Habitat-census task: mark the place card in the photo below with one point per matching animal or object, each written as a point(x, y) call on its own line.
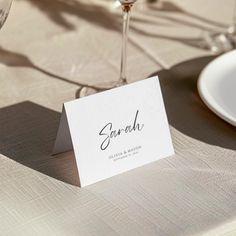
point(116, 130)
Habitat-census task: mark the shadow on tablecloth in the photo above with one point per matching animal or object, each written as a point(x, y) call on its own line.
point(28, 133)
point(186, 111)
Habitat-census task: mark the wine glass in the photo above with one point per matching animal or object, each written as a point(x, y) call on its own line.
point(232, 29)
point(222, 41)
point(126, 6)
point(5, 6)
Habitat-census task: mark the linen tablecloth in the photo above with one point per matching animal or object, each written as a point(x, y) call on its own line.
point(49, 50)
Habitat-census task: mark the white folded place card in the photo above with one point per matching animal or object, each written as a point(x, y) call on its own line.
point(115, 131)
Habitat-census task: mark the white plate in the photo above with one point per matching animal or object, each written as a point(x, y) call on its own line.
point(217, 86)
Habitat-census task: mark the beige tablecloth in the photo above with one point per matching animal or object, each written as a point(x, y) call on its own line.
point(49, 49)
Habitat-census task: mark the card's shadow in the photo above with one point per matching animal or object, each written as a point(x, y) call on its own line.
point(186, 111)
point(28, 133)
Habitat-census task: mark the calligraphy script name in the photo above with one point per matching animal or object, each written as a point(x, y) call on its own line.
point(108, 133)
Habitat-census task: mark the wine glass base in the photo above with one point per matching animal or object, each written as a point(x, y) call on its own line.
point(90, 90)
point(86, 91)
point(218, 43)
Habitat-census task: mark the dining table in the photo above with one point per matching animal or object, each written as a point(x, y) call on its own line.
point(50, 51)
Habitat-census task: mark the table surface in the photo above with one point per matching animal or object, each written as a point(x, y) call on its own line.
point(49, 51)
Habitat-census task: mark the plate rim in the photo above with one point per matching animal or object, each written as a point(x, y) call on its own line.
point(214, 107)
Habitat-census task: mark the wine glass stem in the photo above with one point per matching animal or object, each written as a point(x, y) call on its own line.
point(126, 18)
point(234, 16)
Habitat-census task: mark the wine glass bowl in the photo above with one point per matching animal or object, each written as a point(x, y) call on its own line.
point(127, 2)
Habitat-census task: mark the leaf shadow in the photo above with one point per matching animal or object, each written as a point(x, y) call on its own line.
point(167, 6)
point(14, 59)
